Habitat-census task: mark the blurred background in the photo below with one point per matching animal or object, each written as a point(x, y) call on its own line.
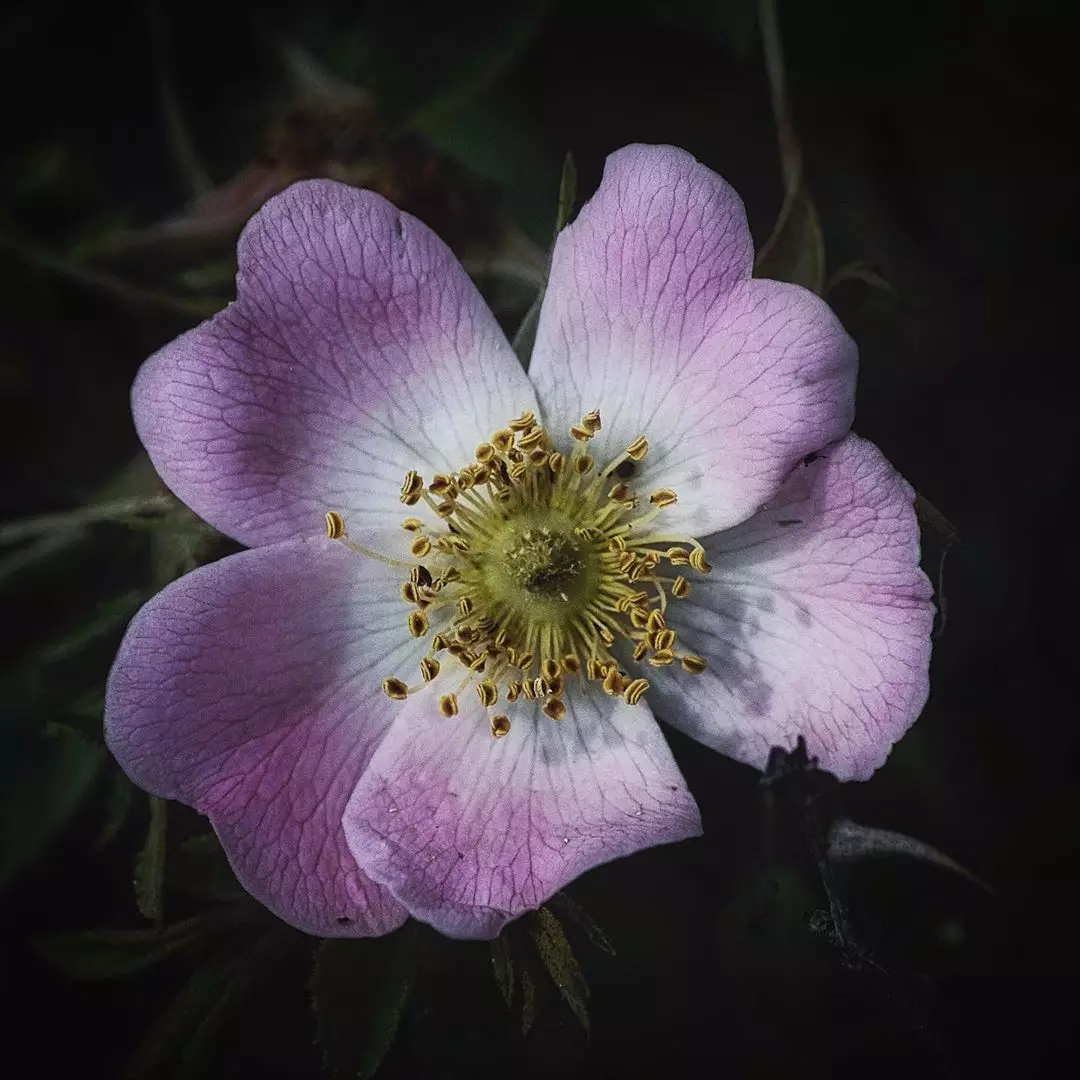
point(915, 170)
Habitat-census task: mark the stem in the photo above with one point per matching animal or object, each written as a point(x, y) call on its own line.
point(16, 532)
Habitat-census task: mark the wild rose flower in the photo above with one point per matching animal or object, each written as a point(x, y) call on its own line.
point(445, 708)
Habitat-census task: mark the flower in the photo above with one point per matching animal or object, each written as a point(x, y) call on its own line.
point(455, 718)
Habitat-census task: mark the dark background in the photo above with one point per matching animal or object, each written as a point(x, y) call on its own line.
point(936, 140)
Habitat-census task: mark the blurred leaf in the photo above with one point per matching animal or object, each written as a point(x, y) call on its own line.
point(796, 250)
point(569, 908)
point(110, 954)
point(199, 868)
point(150, 864)
point(359, 988)
point(525, 338)
point(46, 781)
point(116, 806)
point(557, 956)
point(851, 842)
point(502, 963)
point(860, 271)
point(929, 514)
point(105, 618)
point(730, 24)
point(179, 1042)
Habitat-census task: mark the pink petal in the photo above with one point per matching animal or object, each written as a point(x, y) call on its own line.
point(469, 831)
point(815, 621)
point(250, 690)
point(651, 316)
point(357, 349)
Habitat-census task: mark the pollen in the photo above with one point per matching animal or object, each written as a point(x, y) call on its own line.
point(543, 574)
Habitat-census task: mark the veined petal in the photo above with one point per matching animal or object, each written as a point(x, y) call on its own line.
point(357, 349)
point(815, 621)
point(650, 315)
point(469, 831)
point(250, 690)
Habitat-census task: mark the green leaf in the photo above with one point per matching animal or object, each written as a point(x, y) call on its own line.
point(359, 989)
point(200, 869)
point(525, 337)
point(557, 956)
point(530, 1002)
point(45, 782)
point(110, 954)
point(502, 963)
point(567, 193)
point(566, 906)
point(150, 864)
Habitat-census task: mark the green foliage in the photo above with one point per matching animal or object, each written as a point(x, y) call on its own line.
point(198, 868)
point(557, 956)
point(359, 990)
point(150, 864)
point(502, 964)
point(110, 954)
point(46, 780)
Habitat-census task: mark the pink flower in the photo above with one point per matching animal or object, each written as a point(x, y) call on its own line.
point(454, 719)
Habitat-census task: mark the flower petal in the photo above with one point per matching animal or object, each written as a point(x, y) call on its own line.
point(815, 621)
point(357, 349)
point(250, 690)
point(469, 831)
point(650, 317)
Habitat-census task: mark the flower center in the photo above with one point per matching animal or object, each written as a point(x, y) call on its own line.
point(546, 571)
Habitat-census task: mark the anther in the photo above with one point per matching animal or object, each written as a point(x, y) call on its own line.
point(409, 593)
point(441, 484)
point(665, 640)
point(488, 693)
point(655, 621)
point(580, 433)
point(465, 606)
point(640, 650)
point(484, 453)
point(503, 439)
point(335, 525)
point(530, 439)
point(513, 691)
point(429, 668)
point(594, 669)
point(412, 524)
point(614, 683)
point(418, 624)
point(591, 421)
point(420, 575)
point(448, 705)
point(680, 588)
point(555, 708)
point(638, 448)
point(620, 493)
point(412, 488)
point(445, 509)
point(634, 691)
point(549, 668)
point(662, 658)
point(420, 547)
point(697, 561)
point(571, 664)
point(557, 463)
point(583, 464)
point(500, 725)
point(523, 422)
point(695, 665)
point(663, 497)
point(395, 689)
